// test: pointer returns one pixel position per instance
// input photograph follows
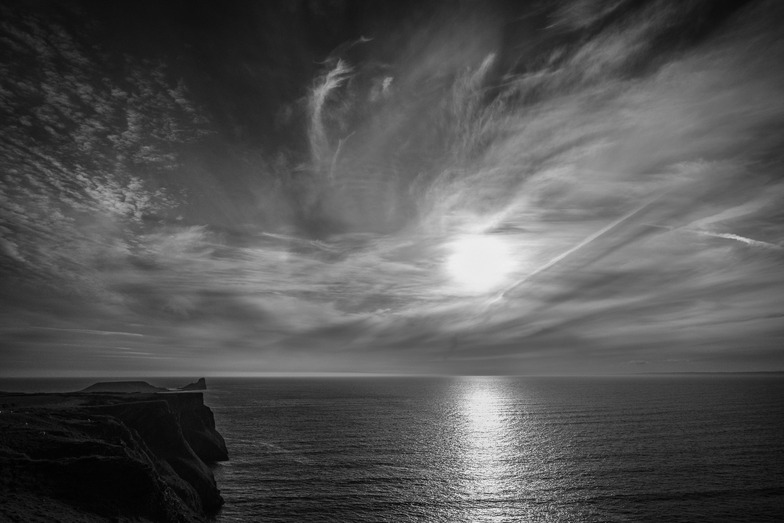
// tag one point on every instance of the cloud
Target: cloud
(637, 186)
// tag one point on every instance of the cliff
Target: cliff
(98, 456)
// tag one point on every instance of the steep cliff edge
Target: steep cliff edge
(198, 425)
(93, 457)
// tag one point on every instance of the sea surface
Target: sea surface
(500, 449)
(496, 449)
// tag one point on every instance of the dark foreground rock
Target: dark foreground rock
(98, 457)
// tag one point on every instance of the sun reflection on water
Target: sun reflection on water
(489, 450)
(512, 465)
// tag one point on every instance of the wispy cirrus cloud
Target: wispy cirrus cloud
(625, 155)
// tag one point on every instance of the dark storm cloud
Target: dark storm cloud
(625, 154)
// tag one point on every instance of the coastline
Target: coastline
(93, 456)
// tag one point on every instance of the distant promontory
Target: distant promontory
(114, 451)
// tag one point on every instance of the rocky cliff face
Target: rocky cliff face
(89, 457)
(198, 426)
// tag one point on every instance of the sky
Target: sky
(465, 187)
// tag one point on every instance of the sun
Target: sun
(479, 263)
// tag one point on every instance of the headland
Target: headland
(113, 451)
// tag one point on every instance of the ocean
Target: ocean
(495, 449)
(501, 449)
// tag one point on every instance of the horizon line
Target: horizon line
(344, 374)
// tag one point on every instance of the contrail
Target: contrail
(725, 235)
(748, 241)
(577, 247)
(92, 331)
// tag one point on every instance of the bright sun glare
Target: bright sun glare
(479, 263)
